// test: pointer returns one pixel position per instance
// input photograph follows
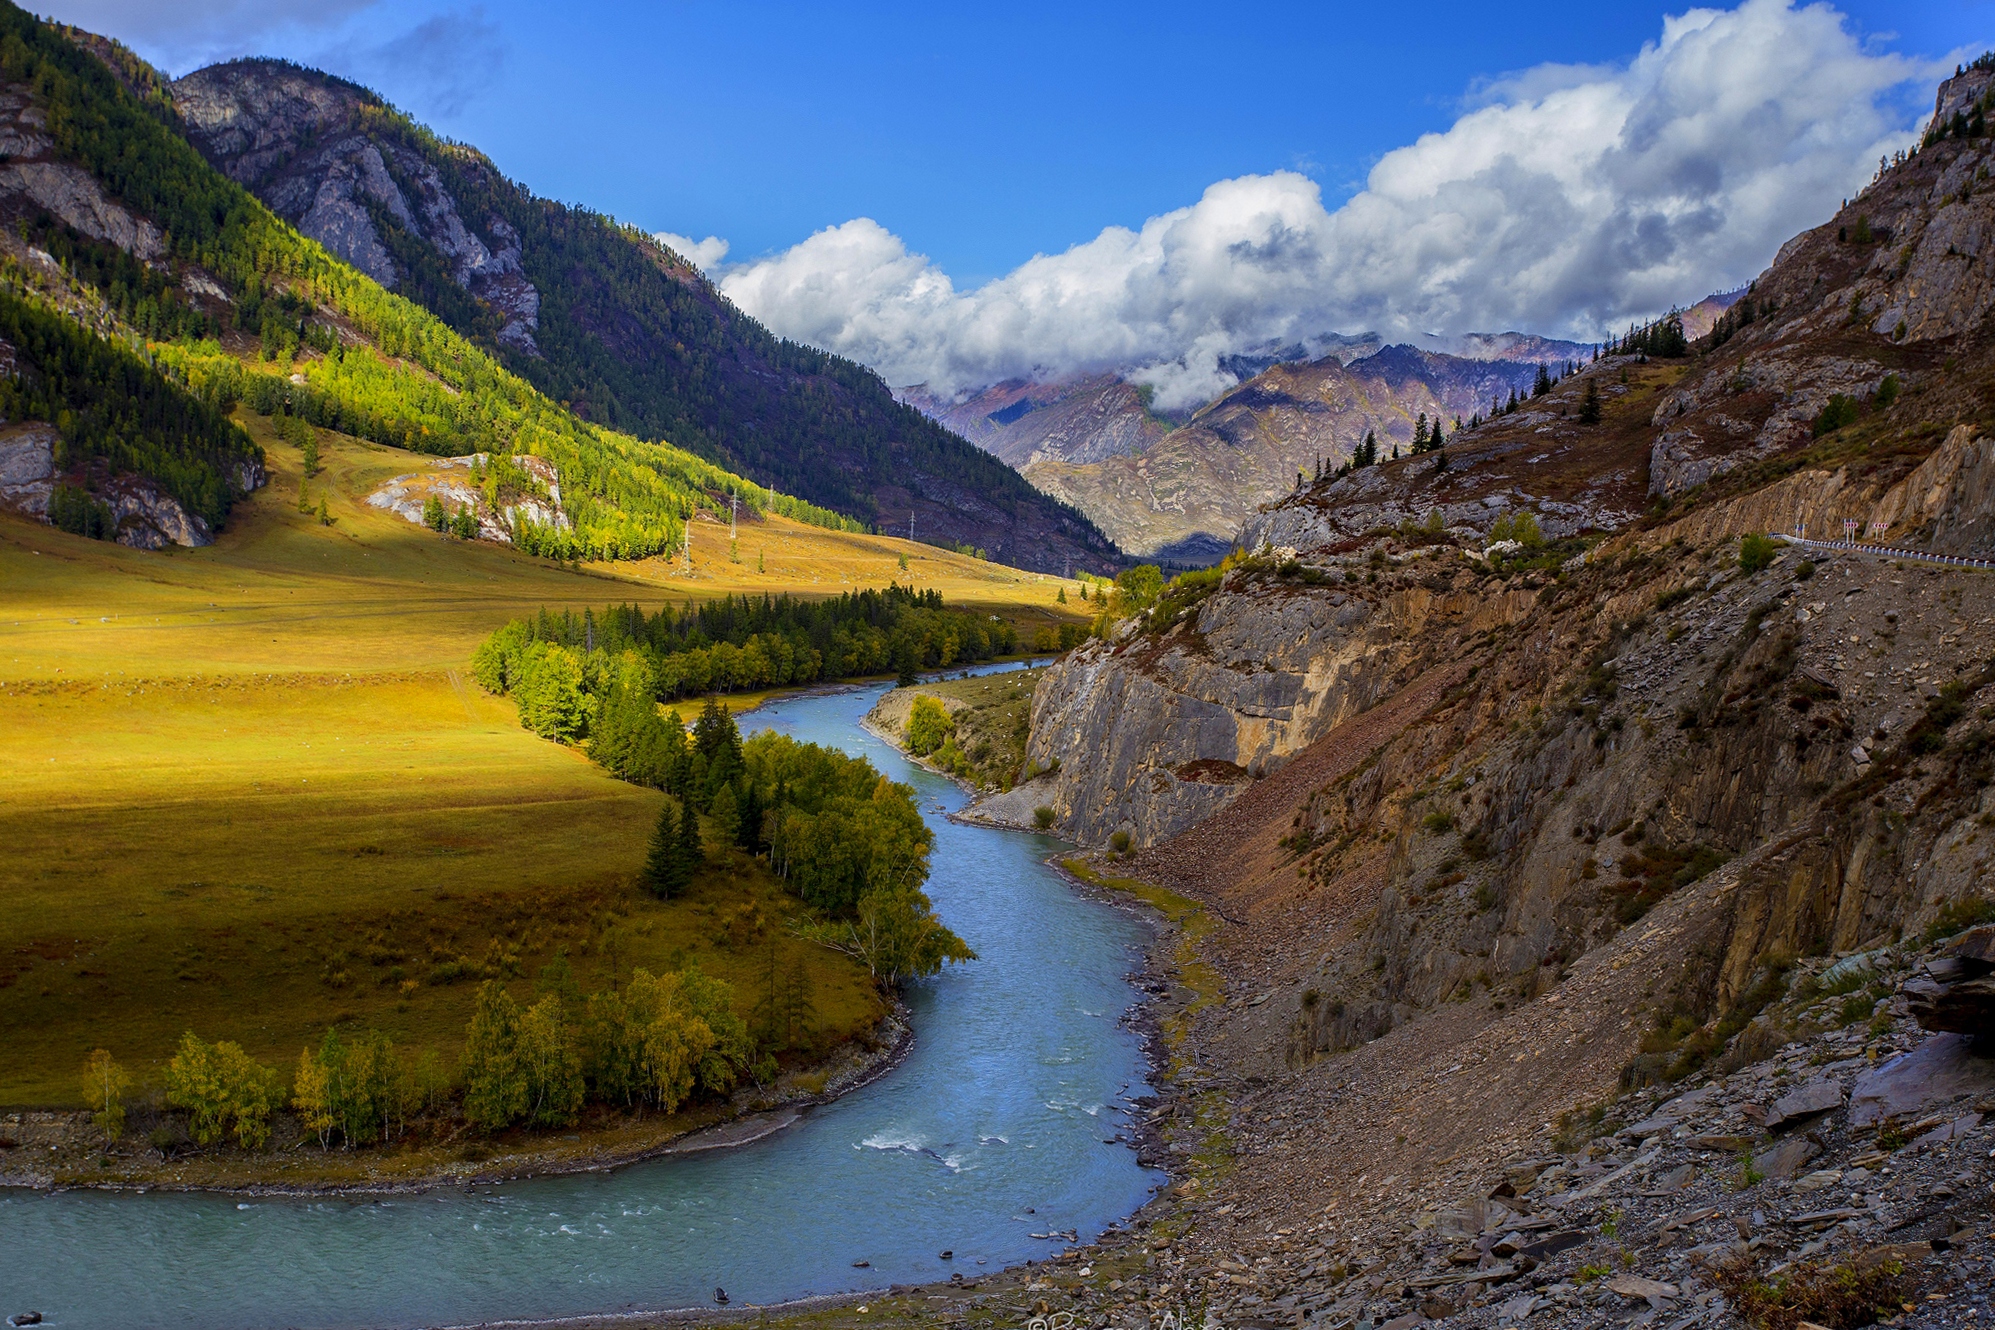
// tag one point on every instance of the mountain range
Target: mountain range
(599, 322)
(1179, 488)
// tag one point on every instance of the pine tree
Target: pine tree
(749, 835)
(692, 853)
(1420, 434)
(665, 870)
(1589, 406)
(1542, 384)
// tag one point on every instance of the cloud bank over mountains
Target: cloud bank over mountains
(1566, 201)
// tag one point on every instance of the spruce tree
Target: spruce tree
(692, 854)
(665, 873)
(749, 836)
(1589, 406)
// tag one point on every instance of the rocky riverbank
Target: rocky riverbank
(1842, 1175)
(53, 1151)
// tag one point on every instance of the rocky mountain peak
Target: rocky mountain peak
(330, 158)
(1959, 93)
(251, 117)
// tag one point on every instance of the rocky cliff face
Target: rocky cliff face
(1877, 291)
(1183, 720)
(32, 176)
(308, 146)
(142, 514)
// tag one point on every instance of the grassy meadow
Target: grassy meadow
(251, 791)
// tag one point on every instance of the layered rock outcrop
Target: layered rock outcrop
(1154, 732)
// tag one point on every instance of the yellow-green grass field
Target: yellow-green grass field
(250, 790)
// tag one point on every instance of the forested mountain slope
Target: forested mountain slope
(602, 318)
(117, 227)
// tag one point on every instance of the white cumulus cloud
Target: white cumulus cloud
(1568, 200)
(702, 254)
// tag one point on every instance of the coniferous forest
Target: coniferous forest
(108, 403)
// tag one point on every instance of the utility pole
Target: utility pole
(733, 502)
(686, 534)
(910, 526)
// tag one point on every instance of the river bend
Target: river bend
(1002, 1124)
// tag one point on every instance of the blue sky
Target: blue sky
(979, 133)
(956, 194)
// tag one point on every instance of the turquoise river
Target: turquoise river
(1007, 1120)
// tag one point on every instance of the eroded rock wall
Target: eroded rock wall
(1154, 732)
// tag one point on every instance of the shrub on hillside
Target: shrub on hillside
(1756, 552)
(1137, 588)
(1840, 411)
(1521, 527)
